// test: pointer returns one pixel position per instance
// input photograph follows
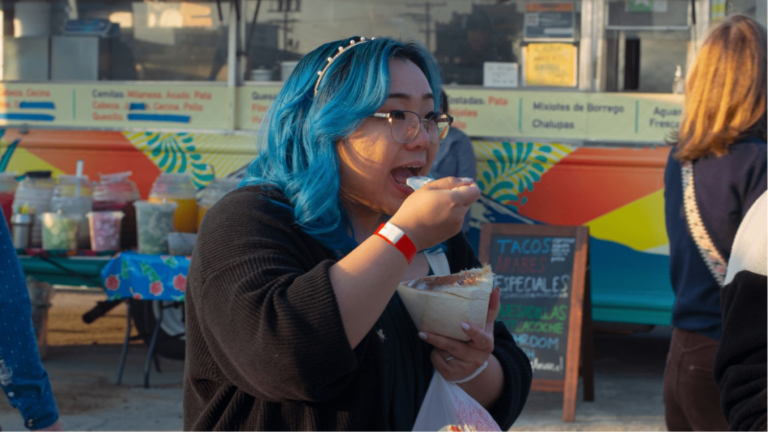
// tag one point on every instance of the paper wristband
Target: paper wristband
(473, 376)
(397, 238)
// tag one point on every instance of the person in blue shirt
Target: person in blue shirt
(455, 158)
(22, 376)
(715, 173)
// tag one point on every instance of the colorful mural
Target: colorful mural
(616, 192)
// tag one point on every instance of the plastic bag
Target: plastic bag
(447, 407)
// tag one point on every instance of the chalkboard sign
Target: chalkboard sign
(541, 273)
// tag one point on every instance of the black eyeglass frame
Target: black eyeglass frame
(430, 117)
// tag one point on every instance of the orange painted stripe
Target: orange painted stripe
(591, 182)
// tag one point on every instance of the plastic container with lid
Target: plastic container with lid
(105, 230)
(73, 196)
(155, 222)
(8, 185)
(116, 192)
(180, 189)
(34, 194)
(212, 193)
(60, 230)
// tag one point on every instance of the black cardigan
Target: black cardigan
(266, 348)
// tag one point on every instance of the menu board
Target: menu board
(114, 105)
(252, 104)
(170, 106)
(541, 273)
(481, 113)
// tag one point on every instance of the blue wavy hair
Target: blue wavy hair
(297, 141)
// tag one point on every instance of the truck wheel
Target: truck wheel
(171, 340)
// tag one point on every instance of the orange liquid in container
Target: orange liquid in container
(185, 218)
(200, 213)
(213, 193)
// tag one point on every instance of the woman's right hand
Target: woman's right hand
(435, 212)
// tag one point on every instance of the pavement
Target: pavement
(82, 362)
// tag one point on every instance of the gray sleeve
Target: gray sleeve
(466, 158)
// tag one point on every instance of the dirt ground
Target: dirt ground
(66, 327)
(82, 361)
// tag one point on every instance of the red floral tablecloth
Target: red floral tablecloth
(146, 277)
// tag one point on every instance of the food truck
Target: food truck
(569, 104)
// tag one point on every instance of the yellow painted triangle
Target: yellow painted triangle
(23, 161)
(639, 225)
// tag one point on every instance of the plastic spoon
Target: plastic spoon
(416, 182)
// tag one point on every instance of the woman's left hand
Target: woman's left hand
(455, 359)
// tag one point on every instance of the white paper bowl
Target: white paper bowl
(439, 304)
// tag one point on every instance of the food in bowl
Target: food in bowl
(439, 304)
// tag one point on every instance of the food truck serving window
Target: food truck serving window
(75, 40)
(646, 41)
(480, 42)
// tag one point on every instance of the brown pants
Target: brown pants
(691, 396)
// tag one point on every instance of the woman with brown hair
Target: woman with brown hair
(715, 172)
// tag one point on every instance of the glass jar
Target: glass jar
(212, 193)
(33, 196)
(8, 185)
(180, 189)
(116, 192)
(73, 196)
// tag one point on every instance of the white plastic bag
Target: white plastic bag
(447, 407)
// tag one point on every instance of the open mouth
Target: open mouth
(403, 173)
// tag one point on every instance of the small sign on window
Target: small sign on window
(498, 74)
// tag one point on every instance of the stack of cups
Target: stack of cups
(154, 223)
(105, 230)
(22, 229)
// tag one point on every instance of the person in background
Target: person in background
(292, 313)
(22, 376)
(477, 46)
(740, 362)
(714, 174)
(455, 157)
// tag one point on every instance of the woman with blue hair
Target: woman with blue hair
(293, 320)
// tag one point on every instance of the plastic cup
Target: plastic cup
(154, 223)
(60, 231)
(105, 230)
(185, 219)
(181, 243)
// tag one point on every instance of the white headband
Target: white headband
(341, 50)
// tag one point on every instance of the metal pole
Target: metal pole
(148, 363)
(126, 342)
(232, 48)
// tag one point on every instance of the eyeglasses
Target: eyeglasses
(404, 125)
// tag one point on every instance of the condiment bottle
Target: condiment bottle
(116, 192)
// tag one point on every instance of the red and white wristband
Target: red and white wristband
(397, 238)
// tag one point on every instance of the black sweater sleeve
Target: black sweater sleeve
(740, 362)
(515, 364)
(265, 307)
